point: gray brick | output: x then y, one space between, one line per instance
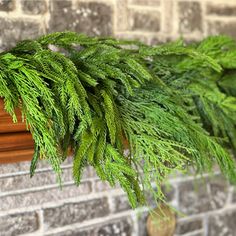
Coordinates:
234 195
146 2
142 221
190 17
94 18
201 233
74 232
169 192
221 9
122 15
121 227
150 198
14 30
100 186
18 224
44 196
222 224
34 7
121 203
202 197
61 16
43 165
89 172
144 20
39 179
91 18
189 225
220 27
20 167
141 37
155 40
70 213
14 168
7 5
219 190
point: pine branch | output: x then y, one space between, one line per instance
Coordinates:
173 104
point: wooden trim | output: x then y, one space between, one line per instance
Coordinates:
16 143
16 156
6 123
7 126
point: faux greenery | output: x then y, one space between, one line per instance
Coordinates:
134 112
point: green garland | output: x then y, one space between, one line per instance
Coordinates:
173 104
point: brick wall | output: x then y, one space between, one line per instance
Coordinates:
149 20
37 206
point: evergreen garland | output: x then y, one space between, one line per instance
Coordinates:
208 90
173 104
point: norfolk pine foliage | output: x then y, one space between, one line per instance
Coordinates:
174 104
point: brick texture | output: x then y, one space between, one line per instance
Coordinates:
190 17
16 224
37 206
13 30
7 5
146 2
147 21
121 203
121 227
34 7
71 213
197 197
188 226
221 27
116 228
33 197
152 21
221 9
222 224
91 18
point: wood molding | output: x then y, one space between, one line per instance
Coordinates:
16 156
16 143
